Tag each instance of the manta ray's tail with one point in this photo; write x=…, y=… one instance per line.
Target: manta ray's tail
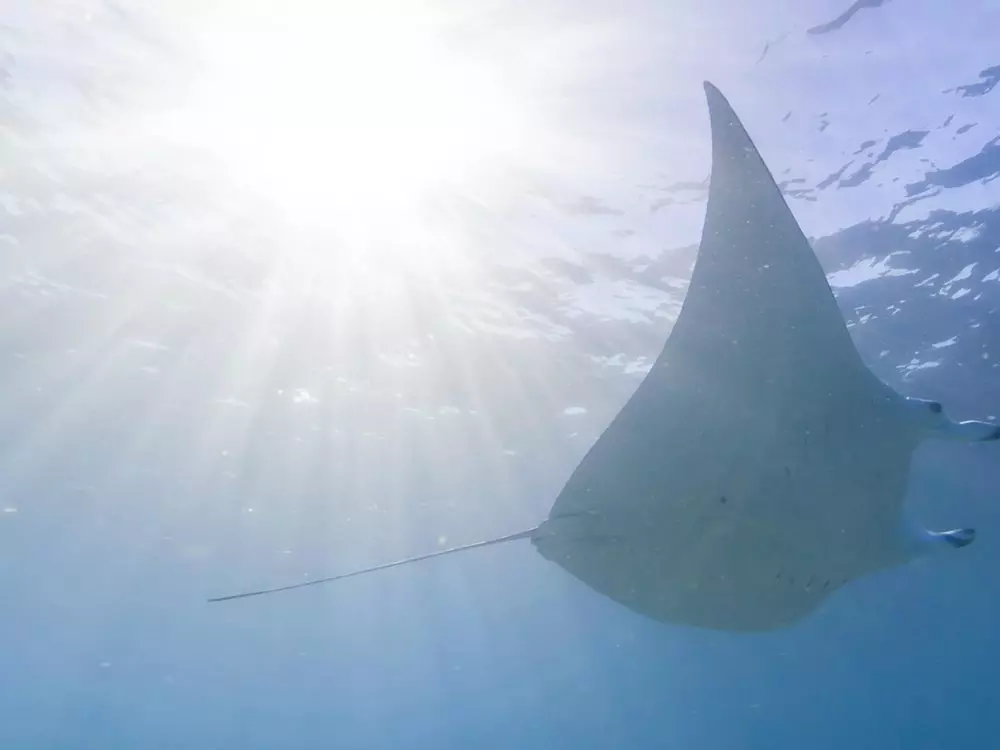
x=487, y=543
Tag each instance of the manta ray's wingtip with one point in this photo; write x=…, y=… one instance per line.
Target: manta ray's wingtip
x=715, y=97
x=721, y=112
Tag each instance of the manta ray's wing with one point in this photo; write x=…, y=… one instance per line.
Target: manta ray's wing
x=758, y=298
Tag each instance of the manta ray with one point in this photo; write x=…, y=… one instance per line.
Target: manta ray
x=760, y=466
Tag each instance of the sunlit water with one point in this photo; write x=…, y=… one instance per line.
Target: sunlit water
x=292, y=289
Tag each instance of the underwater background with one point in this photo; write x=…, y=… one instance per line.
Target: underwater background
x=290, y=289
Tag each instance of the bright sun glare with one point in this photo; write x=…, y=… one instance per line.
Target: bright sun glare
x=350, y=114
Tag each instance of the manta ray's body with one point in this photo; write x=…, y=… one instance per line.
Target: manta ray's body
x=760, y=465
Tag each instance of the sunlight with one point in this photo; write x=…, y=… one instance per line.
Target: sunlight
x=353, y=119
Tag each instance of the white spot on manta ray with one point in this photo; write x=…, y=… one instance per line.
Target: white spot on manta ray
x=696, y=506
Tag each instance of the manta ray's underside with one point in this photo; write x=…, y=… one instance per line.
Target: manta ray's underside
x=760, y=465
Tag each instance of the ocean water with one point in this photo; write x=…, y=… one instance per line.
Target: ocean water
x=288, y=290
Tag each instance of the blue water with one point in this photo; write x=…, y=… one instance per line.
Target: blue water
x=205, y=388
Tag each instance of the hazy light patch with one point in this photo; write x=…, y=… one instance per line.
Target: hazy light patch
x=194, y=278
x=961, y=293
x=302, y=396
x=515, y=323
x=993, y=275
x=42, y=285
x=552, y=331
x=867, y=269
x=387, y=66
x=513, y=332
x=616, y=300
x=10, y=204
x=947, y=342
x=675, y=282
x=617, y=360
x=927, y=281
x=152, y=345
x=572, y=411
x=234, y=402
x=401, y=359
x=639, y=365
